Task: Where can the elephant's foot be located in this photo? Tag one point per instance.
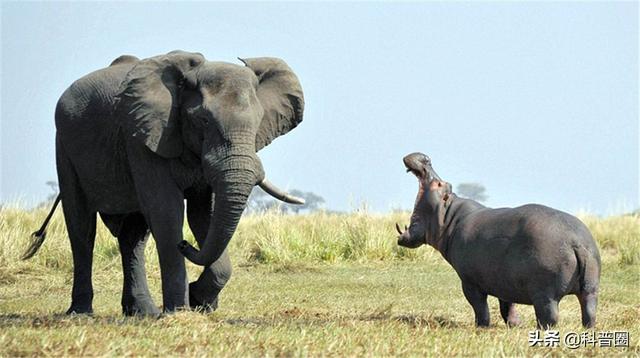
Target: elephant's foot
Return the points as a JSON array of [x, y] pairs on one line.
[[141, 308], [80, 310], [202, 301], [204, 307]]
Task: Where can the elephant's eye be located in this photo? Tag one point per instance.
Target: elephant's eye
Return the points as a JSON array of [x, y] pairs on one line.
[[199, 115]]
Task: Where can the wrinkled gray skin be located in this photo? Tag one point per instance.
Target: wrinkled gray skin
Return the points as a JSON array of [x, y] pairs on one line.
[[531, 254], [138, 138]]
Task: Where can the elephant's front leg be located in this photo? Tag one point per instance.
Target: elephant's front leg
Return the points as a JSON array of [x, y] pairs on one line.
[[136, 299], [162, 204], [165, 215], [203, 293]]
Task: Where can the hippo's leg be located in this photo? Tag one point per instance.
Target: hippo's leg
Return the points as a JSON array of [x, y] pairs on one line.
[[509, 313], [478, 301], [546, 311], [588, 303]]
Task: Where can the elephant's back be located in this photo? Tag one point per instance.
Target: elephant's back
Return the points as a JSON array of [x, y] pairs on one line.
[[91, 97], [89, 137]]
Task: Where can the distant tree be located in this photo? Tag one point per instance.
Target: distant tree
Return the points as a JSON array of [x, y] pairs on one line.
[[53, 185], [473, 191], [54, 193], [312, 203]]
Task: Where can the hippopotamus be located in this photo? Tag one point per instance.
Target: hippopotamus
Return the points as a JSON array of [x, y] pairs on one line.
[[532, 254]]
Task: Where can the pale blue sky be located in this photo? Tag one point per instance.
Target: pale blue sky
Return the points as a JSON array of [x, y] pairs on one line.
[[537, 101]]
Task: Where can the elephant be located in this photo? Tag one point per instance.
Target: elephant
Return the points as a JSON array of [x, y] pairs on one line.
[[139, 138], [532, 254]]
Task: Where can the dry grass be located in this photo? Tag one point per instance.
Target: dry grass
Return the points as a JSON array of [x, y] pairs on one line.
[[317, 284]]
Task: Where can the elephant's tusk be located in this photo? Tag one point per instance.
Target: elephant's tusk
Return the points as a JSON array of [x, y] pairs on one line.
[[398, 228], [279, 194]]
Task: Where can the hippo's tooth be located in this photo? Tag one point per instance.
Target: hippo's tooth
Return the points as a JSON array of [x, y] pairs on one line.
[[398, 228]]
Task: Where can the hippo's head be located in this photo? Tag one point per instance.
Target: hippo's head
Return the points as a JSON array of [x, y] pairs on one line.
[[428, 213]]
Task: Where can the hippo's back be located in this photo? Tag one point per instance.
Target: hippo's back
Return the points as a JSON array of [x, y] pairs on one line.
[[545, 225], [534, 222]]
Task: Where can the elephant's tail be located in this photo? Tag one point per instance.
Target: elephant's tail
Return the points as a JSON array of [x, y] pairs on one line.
[[37, 238]]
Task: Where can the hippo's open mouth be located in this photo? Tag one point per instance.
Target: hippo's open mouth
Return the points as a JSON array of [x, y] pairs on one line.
[[415, 172], [417, 164]]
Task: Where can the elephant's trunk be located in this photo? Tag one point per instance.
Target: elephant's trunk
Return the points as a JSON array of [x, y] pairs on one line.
[[232, 179], [231, 191]]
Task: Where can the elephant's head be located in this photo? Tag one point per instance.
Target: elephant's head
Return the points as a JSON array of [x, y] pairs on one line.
[[427, 218], [180, 104]]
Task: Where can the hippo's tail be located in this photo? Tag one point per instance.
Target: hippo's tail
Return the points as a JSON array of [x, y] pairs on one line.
[[37, 238], [589, 268]]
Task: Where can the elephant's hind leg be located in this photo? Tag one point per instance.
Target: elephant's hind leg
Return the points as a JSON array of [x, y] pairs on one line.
[[81, 227], [82, 232], [136, 299]]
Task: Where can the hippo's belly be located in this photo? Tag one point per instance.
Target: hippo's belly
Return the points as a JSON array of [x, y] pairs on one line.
[[511, 269]]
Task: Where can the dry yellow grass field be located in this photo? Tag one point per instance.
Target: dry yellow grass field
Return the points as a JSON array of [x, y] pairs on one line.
[[318, 284]]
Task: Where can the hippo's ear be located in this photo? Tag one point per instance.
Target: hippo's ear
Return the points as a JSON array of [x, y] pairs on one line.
[[280, 94], [149, 99]]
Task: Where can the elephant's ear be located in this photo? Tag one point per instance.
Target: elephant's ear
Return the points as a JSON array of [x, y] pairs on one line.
[[281, 96], [149, 99]]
